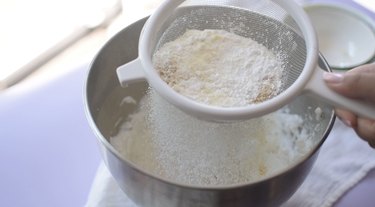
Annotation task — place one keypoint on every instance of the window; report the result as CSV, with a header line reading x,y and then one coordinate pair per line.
x,y
34,31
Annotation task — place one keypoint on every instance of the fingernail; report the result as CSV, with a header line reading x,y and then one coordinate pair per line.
x,y
332,77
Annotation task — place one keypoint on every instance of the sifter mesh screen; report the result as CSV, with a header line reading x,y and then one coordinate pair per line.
x,y
263,21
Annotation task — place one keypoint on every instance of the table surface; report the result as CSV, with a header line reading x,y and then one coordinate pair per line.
x,y
49,155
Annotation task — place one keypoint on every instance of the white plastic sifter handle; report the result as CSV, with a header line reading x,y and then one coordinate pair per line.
x,y
318,87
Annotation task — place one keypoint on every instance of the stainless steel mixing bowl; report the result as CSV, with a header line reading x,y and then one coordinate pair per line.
x,y
103,96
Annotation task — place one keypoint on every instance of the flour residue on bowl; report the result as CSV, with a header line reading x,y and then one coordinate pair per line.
x,y
219,68
166,142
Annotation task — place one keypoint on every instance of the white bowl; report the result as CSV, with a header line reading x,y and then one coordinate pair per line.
x,y
346,36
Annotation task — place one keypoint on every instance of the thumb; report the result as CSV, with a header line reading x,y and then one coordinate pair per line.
x,y
358,83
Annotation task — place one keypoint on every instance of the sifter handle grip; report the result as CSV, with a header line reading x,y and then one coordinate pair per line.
x,y
318,87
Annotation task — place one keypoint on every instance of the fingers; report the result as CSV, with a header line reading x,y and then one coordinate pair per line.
x,y
347,117
358,83
366,129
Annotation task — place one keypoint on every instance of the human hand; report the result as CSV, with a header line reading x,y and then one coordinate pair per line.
x,y
358,83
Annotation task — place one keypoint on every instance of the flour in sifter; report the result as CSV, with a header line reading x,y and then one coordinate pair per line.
x,y
219,68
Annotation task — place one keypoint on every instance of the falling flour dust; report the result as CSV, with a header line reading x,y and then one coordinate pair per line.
x,y
166,142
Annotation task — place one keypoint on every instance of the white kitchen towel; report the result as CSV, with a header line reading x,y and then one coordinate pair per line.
x,y
343,161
